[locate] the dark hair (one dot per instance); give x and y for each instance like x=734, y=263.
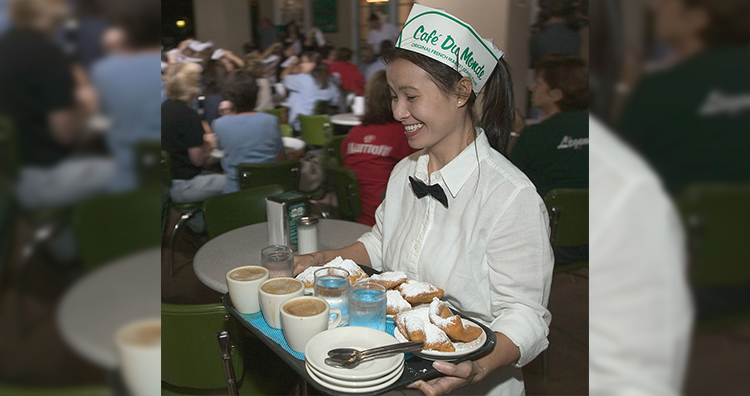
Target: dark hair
x=240, y=89
x=729, y=23
x=343, y=55
x=497, y=104
x=140, y=20
x=214, y=75
x=386, y=47
x=326, y=50
x=570, y=75
x=378, y=100
x=320, y=72
x=249, y=47
x=373, y=18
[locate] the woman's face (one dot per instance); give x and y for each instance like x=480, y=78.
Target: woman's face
x=417, y=102
x=541, y=95
x=306, y=64
x=675, y=22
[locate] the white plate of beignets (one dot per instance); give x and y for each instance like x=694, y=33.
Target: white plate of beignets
x=460, y=348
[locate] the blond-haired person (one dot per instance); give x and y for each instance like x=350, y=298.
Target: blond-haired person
x=40, y=97
x=182, y=136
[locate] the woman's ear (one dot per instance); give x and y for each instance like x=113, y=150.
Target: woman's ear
x=464, y=91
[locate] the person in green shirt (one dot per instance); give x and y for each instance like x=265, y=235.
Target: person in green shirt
x=691, y=122
x=555, y=152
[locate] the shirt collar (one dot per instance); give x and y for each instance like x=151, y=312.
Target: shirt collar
x=454, y=175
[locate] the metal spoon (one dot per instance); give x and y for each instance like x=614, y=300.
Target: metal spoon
x=347, y=352
x=354, y=359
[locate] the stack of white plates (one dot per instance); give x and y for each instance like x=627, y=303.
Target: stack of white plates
x=368, y=376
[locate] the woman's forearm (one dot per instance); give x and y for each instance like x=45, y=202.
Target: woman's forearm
x=504, y=353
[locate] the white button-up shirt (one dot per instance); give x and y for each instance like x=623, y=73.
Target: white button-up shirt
x=489, y=250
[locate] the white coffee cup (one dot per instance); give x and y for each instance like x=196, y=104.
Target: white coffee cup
x=273, y=293
x=243, y=283
x=304, y=317
x=358, y=108
x=139, y=348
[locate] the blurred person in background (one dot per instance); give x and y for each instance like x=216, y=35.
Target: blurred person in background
x=182, y=136
x=640, y=312
x=379, y=32
x=245, y=136
x=4, y=20
x=267, y=34
x=255, y=66
x=555, y=152
x=557, y=32
x=128, y=87
x=372, y=149
x=292, y=37
x=230, y=61
x=308, y=82
x=691, y=121
x=92, y=25
x=378, y=62
x=349, y=75
x=113, y=41
x=214, y=76
x=39, y=95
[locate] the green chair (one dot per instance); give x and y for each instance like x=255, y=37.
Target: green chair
x=280, y=112
x=113, y=226
x=187, y=210
x=717, y=220
x=346, y=186
x=332, y=151
x=227, y=212
x=189, y=350
x=276, y=112
x=147, y=164
x=315, y=129
x=568, y=209
x=6, y=390
x=286, y=130
x=284, y=173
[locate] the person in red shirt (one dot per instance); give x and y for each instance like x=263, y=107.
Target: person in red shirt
x=372, y=149
x=349, y=74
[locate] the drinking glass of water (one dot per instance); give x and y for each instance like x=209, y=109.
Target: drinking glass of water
x=332, y=285
x=279, y=260
x=367, y=304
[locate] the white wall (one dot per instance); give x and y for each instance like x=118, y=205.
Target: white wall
x=225, y=22
x=505, y=21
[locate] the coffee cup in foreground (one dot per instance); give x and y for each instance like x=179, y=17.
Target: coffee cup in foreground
x=139, y=351
x=243, y=283
x=304, y=317
x=273, y=293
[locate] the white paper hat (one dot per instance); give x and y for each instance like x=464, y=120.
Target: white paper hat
x=451, y=41
x=197, y=46
x=218, y=54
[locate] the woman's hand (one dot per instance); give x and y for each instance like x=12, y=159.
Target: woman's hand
x=456, y=376
x=303, y=261
x=209, y=139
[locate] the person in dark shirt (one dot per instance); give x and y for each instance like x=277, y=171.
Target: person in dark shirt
x=37, y=93
x=557, y=34
x=182, y=136
x=555, y=152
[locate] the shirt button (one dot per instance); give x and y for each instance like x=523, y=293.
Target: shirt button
x=416, y=246
x=437, y=176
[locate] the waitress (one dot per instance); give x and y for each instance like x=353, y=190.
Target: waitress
x=457, y=213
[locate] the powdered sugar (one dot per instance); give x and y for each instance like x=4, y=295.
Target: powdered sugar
x=308, y=276
x=435, y=317
x=396, y=302
x=414, y=288
x=355, y=271
x=391, y=276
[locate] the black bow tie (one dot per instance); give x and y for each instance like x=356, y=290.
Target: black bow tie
x=421, y=189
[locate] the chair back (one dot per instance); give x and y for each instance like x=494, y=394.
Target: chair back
x=285, y=173
x=147, y=152
x=286, y=130
x=717, y=222
x=568, y=210
x=189, y=350
x=332, y=151
x=227, y=212
x=315, y=129
x=346, y=187
x=276, y=112
x=113, y=226
x=9, y=151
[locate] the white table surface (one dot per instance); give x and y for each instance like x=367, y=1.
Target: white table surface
x=95, y=307
x=345, y=119
x=242, y=247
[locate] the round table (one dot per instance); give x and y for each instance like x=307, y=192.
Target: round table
x=98, y=305
x=242, y=247
x=348, y=119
